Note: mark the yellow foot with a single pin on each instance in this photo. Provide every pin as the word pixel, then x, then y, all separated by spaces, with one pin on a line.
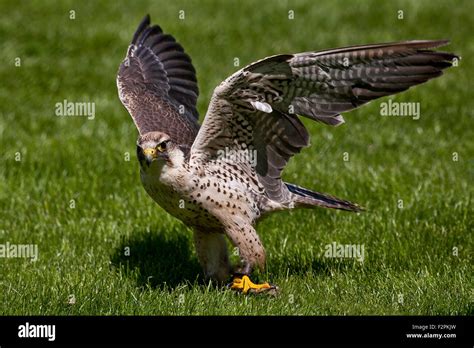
pixel 245 285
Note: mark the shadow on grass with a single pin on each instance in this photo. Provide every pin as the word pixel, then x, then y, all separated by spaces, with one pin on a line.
pixel 158 260
pixel 165 260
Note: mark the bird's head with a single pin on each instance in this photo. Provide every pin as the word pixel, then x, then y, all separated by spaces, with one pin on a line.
pixel 156 149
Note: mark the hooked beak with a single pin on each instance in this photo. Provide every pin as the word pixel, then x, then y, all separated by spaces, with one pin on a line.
pixel 152 154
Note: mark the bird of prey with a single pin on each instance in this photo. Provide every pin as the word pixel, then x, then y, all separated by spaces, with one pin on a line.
pixel 222 177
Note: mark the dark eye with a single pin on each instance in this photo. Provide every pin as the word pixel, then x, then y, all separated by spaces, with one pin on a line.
pixel 161 147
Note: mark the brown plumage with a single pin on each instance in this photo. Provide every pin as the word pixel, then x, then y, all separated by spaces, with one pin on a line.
pixel 318 85
pixel 157 84
pixel 188 170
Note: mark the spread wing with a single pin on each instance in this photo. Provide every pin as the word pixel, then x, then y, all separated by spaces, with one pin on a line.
pixel 257 107
pixel 157 84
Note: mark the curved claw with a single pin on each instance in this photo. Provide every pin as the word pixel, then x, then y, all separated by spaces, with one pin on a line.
pixel 245 285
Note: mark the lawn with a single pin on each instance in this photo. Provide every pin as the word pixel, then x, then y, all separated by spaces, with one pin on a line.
pixel 70 185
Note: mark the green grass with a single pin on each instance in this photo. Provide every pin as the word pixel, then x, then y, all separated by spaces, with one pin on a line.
pixel 409 250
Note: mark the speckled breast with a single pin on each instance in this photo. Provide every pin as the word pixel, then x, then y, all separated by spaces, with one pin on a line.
pixel 186 209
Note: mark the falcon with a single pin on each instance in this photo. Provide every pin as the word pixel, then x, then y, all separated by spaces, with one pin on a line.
pixel 220 178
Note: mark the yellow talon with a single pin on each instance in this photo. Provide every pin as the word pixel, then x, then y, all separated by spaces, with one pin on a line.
pixel 244 284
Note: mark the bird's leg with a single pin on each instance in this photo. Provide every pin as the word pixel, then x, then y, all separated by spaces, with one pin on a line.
pixel 211 249
pixel 252 254
pixel 242 283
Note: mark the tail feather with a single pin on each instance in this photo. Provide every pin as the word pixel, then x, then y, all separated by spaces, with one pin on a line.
pixel 308 198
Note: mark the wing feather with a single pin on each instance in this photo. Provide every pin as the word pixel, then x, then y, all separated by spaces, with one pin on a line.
pixel 257 106
pixel 158 86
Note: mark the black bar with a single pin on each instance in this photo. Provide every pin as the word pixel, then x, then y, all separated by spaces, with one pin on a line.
pixel 258 330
